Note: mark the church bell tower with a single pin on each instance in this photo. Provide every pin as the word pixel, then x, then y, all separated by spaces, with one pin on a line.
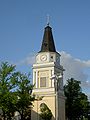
pixel 48 79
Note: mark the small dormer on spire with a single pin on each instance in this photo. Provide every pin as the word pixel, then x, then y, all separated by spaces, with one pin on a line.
pixel 48 41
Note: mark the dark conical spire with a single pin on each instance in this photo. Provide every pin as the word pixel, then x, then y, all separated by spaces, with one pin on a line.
pixel 48 42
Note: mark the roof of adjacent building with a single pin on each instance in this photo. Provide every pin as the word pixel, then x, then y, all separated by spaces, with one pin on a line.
pixel 48 41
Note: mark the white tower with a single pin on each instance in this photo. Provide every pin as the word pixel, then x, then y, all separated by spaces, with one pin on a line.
pixel 47 87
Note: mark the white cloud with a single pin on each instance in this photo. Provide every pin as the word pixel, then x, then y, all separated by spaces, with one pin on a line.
pixel 89 97
pixel 75 68
pixel 29 60
pixel 88 94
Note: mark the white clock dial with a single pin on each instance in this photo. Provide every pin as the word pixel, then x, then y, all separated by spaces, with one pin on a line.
pixel 43 58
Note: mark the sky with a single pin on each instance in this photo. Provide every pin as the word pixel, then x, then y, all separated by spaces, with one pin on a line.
pixel 22 24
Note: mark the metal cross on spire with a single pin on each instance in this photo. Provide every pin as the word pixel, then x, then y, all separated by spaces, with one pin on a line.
pixel 48 19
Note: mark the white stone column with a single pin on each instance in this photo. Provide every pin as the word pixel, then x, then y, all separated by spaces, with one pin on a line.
pixel 33 77
pixel 36 79
pixel 52 81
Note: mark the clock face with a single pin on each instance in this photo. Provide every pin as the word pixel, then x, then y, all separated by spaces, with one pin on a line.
pixel 43 58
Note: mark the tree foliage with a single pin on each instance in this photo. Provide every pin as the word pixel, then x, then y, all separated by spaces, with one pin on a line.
pixel 76 101
pixel 15 92
pixel 46 113
pixel 7 83
pixel 25 99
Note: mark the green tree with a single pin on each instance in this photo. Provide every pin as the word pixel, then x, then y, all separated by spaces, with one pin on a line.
pixel 76 101
pixel 46 113
pixel 15 92
pixel 8 77
pixel 25 98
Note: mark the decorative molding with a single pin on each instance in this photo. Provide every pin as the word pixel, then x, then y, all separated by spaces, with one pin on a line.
pixel 43 90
